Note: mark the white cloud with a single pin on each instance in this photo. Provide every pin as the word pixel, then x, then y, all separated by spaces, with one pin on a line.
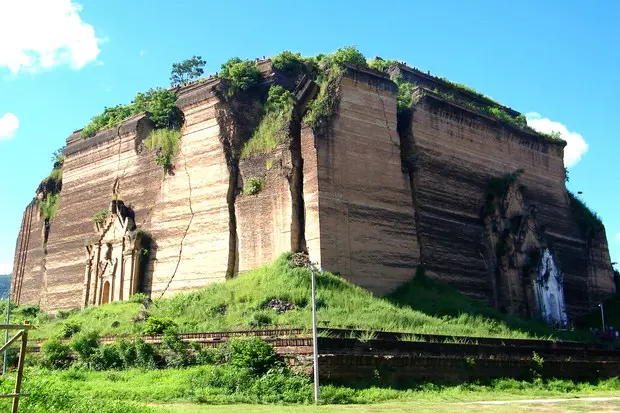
pixel 576 146
pixel 8 125
pixel 6 268
pixel 39 34
pixel 618 236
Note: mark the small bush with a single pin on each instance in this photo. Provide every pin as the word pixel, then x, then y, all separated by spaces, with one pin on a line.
pixel 86 345
pixel 108 357
pixel 156 325
pixel 146 356
pixel 56 355
pixel 30 311
pixel 381 65
pixel 100 216
pixel 348 55
pixel 253 186
pixel 175 351
pixel 290 63
pixel 48 206
pixel 68 329
pixel 242 74
pixel 138 298
pixel 208 355
pixel 166 144
pixel 253 354
pixel 260 319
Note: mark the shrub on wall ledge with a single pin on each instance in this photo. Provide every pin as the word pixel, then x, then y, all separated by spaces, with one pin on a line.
pixel 160 103
pixel 253 186
pixel 271 130
pixel 166 143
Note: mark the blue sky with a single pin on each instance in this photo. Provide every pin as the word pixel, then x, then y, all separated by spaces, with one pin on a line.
pixel 61 63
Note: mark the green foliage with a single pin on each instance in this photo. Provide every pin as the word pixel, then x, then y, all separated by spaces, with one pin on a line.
pixel 139 298
pixel 68 329
pixel 381 65
pixel 158 325
pixel 404 99
pixel 260 319
pixel 56 355
pixel 271 131
pixel 290 63
pixel 166 144
pixel 175 351
pixel 322 108
pixel 184 72
pixel 28 311
pixel 110 117
pixel 86 345
pixel 48 206
pixel 161 104
pixel 588 221
pixel 57 156
pixel 348 55
pixel 242 74
pixel 253 354
pixel 100 216
pixel 253 186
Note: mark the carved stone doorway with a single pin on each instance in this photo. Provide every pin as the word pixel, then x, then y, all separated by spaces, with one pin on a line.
pixel 105 296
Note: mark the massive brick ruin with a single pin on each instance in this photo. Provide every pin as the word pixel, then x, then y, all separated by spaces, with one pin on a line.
pixel 372 197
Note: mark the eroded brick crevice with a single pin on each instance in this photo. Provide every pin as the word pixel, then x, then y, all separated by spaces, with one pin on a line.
pixel 296 186
pixel 238 116
pixel 409 154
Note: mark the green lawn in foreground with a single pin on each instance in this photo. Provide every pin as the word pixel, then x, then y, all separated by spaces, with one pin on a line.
pixel 421 306
pixel 404 407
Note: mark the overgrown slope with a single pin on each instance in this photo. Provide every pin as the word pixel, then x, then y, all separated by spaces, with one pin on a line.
pixel 421 306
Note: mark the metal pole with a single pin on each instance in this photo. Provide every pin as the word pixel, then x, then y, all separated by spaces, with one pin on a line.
pixel 602 316
pixel 6 334
pixel 315 339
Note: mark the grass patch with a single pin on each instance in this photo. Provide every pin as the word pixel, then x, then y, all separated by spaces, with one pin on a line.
pixel 588 221
pixel 421 306
pixel 166 144
pixel 253 186
pixel 122 391
pixel 48 206
pixel 271 131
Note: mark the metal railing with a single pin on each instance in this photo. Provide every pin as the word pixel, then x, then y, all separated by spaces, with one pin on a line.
pixel 23 334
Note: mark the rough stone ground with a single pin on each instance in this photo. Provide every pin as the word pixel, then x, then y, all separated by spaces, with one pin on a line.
pixel 586 404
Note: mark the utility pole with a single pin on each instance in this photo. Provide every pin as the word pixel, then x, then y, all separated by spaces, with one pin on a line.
pixel 314 338
pixel 602 316
pixel 6 333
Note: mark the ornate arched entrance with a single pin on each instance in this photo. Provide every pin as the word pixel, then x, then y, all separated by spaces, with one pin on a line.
pixel 105 293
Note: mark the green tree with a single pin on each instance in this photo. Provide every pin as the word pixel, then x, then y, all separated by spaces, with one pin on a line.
pixel 186 71
pixel 242 74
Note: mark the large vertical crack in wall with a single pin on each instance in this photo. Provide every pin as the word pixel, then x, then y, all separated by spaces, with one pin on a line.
pixel 404 122
pixel 296 187
pixel 189 224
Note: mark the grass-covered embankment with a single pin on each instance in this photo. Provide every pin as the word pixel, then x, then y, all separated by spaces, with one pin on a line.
pixel 421 306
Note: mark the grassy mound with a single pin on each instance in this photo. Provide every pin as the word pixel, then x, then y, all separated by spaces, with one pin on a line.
pixel 421 306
